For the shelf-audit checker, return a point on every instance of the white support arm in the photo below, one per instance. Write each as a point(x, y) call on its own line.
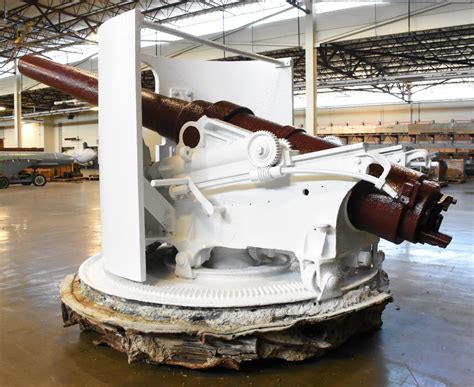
point(361, 176)
point(186, 181)
point(159, 207)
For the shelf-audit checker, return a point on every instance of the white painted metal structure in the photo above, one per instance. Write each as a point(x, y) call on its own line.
point(250, 191)
point(264, 88)
point(120, 127)
point(253, 221)
point(122, 203)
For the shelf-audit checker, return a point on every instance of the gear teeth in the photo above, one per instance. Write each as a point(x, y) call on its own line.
point(284, 143)
point(274, 149)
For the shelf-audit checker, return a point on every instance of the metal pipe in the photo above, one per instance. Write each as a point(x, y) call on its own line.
point(231, 32)
point(210, 43)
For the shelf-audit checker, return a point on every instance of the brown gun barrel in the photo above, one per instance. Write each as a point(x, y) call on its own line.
point(162, 114)
point(417, 219)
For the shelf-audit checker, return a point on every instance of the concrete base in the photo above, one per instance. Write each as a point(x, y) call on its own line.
point(201, 338)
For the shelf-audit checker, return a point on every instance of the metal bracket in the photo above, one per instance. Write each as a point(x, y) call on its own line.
point(184, 94)
point(159, 207)
point(208, 207)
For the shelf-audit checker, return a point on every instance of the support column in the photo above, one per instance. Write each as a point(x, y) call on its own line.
point(410, 103)
point(17, 106)
point(311, 57)
point(49, 135)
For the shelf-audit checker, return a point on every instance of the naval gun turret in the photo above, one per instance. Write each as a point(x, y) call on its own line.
point(267, 237)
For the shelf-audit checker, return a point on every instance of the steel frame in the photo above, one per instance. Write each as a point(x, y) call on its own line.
point(373, 64)
point(38, 26)
point(398, 64)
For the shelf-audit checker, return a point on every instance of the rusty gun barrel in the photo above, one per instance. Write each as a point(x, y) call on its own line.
point(417, 218)
point(162, 114)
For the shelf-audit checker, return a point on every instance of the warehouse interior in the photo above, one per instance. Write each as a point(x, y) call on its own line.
point(382, 73)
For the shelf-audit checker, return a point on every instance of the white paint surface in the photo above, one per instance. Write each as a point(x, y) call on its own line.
point(120, 137)
point(262, 87)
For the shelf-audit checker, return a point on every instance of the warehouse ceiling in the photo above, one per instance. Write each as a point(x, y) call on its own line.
point(389, 63)
point(38, 26)
point(392, 64)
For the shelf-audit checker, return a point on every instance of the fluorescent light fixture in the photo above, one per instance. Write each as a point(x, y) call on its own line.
point(69, 102)
point(2, 108)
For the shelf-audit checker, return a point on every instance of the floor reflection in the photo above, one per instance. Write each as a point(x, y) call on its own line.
point(426, 339)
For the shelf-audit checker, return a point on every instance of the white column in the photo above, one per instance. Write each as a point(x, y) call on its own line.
point(311, 58)
point(49, 135)
point(17, 106)
point(409, 101)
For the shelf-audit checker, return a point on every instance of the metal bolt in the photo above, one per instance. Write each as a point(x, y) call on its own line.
point(181, 259)
point(333, 282)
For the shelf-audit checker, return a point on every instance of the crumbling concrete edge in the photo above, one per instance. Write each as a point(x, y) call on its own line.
point(199, 346)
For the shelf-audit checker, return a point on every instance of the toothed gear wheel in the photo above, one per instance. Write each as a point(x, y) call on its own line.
point(264, 149)
point(333, 139)
point(284, 143)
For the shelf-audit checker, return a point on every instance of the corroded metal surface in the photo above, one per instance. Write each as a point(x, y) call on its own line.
point(207, 338)
point(418, 220)
point(79, 83)
point(160, 113)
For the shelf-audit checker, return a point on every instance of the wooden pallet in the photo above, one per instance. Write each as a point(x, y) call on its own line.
point(456, 173)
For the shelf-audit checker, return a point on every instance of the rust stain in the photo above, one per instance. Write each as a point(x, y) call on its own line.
point(417, 219)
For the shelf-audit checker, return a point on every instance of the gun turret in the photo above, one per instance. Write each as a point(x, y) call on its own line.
point(414, 216)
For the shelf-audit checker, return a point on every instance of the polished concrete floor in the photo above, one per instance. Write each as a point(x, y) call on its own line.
point(45, 233)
